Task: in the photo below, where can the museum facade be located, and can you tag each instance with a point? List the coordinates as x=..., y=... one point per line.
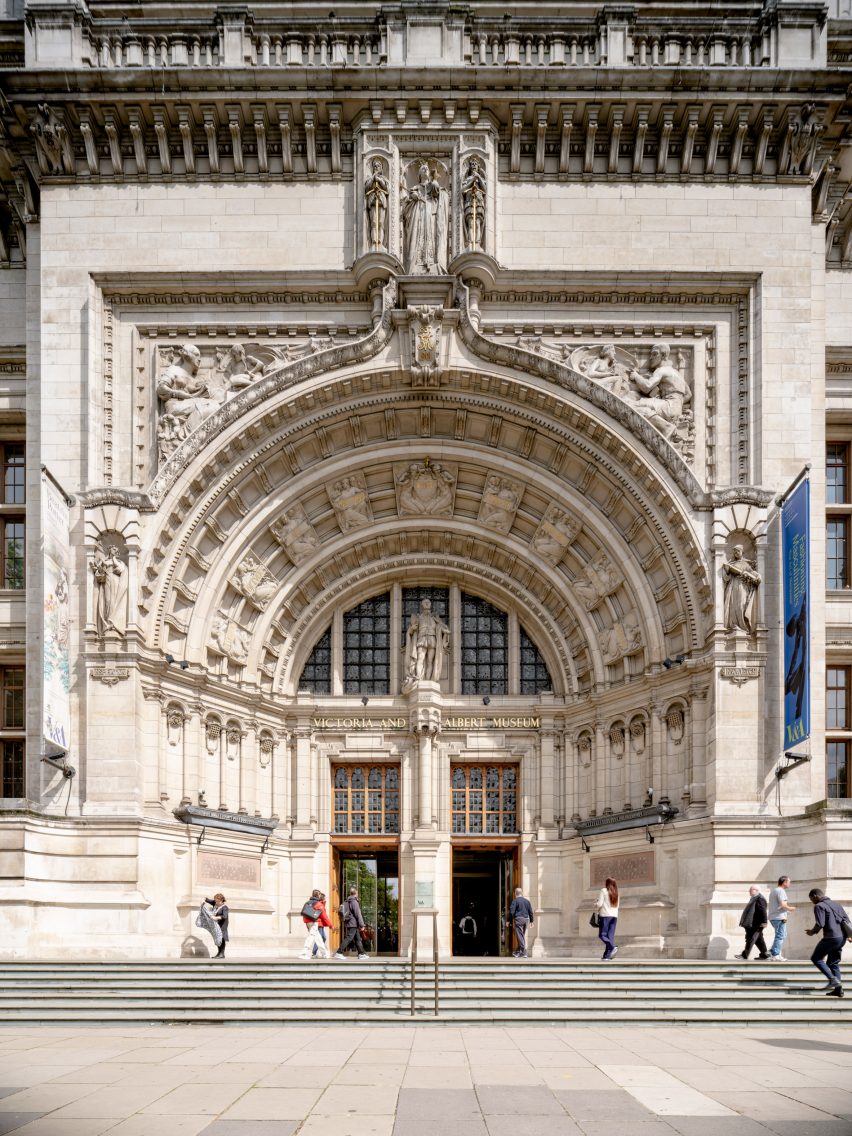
x=397, y=407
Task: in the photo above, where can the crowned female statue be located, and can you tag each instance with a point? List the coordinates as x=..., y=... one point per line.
x=425, y=219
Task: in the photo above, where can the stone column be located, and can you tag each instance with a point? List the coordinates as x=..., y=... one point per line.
x=430, y=875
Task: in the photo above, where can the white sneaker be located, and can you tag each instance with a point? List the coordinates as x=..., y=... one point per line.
x=777, y=958
x=614, y=952
x=362, y=957
x=304, y=956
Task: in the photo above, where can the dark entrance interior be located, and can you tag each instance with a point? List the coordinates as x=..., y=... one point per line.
x=376, y=876
x=483, y=883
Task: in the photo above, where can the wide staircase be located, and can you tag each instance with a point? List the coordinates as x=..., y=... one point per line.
x=480, y=992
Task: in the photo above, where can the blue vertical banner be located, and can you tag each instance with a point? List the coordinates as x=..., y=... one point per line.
x=795, y=555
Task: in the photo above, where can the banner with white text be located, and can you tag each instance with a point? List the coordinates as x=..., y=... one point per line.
x=795, y=555
x=56, y=559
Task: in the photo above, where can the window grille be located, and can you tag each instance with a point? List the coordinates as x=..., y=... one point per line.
x=484, y=800
x=12, y=520
x=12, y=752
x=366, y=800
x=316, y=674
x=535, y=677
x=483, y=647
x=366, y=654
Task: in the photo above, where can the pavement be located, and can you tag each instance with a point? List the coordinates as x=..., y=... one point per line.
x=424, y=1081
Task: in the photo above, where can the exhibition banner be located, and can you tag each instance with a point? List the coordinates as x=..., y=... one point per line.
x=56, y=560
x=795, y=556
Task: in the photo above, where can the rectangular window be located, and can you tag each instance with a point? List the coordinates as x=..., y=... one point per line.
x=365, y=800
x=12, y=521
x=366, y=647
x=837, y=473
x=484, y=800
x=838, y=687
x=12, y=692
x=837, y=553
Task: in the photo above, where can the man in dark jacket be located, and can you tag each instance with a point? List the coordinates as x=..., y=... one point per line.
x=353, y=921
x=828, y=916
x=753, y=920
x=521, y=914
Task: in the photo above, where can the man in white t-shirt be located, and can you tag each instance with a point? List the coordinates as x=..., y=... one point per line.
x=778, y=909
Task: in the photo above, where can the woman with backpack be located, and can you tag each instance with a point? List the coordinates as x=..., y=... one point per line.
x=311, y=918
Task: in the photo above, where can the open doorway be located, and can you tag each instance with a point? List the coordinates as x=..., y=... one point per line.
x=483, y=883
x=376, y=876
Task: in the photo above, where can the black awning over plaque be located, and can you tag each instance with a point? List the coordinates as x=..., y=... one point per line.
x=219, y=818
x=629, y=818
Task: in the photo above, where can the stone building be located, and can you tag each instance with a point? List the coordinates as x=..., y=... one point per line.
x=395, y=404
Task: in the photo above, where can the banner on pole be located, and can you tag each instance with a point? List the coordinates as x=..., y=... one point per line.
x=795, y=555
x=56, y=558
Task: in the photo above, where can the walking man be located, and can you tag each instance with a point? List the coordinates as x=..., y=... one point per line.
x=521, y=914
x=353, y=921
x=828, y=916
x=778, y=911
x=753, y=921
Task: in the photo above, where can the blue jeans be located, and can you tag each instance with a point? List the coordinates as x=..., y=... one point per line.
x=829, y=951
x=606, y=934
x=780, y=926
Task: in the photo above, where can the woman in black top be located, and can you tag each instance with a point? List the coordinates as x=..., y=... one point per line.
x=220, y=914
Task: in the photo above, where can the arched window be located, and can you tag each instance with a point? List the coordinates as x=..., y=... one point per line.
x=535, y=677
x=316, y=673
x=366, y=654
x=483, y=647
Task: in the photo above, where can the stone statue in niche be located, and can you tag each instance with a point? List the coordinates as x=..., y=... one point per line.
x=741, y=583
x=474, y=189
x=296, y=533
x=110, y=573
x=254, y=581
x=500, y=500
x=351, y=502
x=556, y=532
x=227, y=638
x=427, y=640
x=187, y=398
x=425, y=489
x=376, y=197
x=599, y=579
x=426, y=223
x=660, y=392
x=623, y=638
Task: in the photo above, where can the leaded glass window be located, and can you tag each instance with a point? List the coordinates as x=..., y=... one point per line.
x=366, y=799
x=484, y=800
x=366, y=654
x=535, y=677
x=483, y=647
x=316, y=674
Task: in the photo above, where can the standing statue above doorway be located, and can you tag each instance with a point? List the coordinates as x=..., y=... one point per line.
x=426, y=642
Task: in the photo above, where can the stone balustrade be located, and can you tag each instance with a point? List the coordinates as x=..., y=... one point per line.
x=784, y=34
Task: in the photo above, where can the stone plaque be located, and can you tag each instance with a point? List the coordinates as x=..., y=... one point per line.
x=215, y=868
x=628, y=871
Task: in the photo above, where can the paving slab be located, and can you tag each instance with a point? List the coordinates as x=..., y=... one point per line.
x=437, y=1105
x=347, y=1126
x=271, y=1104
x=531, y=1126
x=251, y=1128
x=11, y=1121
x=519, y=1100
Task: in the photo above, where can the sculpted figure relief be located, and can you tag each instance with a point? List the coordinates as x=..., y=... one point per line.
x=741, y=583
x=474, y=189
x=623, y=638
x=110, y=575
x=186, y=398
x=376, y=196
x=425, y=219
x=296, y=533
x=237, y=367
x=227, y=638
x=500, y=500
x=425, y=489
x=351, y=502
x=555, y=533
x=254, y=581
x=605, y=368
x=427, y=640
x=660, y=392
x=599, y=579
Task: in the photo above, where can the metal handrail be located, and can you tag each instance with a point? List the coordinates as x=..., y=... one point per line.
x=413, y=981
